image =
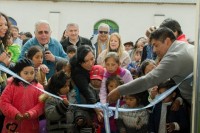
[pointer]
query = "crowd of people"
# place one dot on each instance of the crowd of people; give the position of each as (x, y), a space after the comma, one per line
(81, 72)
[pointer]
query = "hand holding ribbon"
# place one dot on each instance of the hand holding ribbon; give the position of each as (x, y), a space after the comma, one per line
(113, 96)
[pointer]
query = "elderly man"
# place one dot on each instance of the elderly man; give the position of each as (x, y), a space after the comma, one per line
(73, 38)
(176, 63)
(102, 39)
(52, 48)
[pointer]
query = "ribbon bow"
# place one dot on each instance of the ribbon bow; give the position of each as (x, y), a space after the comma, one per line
(107, 112)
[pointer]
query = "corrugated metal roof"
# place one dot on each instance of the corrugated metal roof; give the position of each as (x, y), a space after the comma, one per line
(143, 1)
(124, 1)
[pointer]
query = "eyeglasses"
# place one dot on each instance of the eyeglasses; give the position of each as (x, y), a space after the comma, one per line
(105, 32)
(41, 32)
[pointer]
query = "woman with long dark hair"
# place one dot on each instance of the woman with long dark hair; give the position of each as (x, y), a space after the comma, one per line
(4, 58)
(81, 64)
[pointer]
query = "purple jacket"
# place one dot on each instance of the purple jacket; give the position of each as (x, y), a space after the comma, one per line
(124, 74)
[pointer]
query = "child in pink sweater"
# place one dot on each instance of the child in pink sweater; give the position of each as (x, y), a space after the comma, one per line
(112, 65)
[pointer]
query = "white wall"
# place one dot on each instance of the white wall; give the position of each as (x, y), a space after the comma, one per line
(133, 18)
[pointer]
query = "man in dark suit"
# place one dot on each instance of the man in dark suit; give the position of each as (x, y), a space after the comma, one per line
(73, 38)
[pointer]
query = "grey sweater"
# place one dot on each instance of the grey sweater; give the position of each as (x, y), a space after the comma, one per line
(61, 118)
(176, 64)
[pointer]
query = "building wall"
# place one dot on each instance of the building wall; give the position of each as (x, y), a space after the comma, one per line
(133, 18)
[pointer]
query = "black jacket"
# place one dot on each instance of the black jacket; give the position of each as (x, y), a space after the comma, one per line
(81, 78)
(179, 116)
(82, 41)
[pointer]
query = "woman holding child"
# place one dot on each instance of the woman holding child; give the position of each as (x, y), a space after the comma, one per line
(81, 64)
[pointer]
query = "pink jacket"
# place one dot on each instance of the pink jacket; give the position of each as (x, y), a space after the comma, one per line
(125, 76)
(21, 99)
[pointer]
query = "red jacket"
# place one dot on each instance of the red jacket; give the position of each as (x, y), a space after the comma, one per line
(21, 99)
(182, 37)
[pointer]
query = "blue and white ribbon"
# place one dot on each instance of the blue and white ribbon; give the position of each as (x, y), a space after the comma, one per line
(107, 111)
(6, 70)
(117, 108)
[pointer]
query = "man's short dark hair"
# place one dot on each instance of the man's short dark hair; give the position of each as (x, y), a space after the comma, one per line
(172, 24)
(167, 84)
(161, 34)
(28, 34)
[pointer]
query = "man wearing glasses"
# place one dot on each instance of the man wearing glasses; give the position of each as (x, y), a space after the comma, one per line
(53, 50)
(102, 39)
(73, 38)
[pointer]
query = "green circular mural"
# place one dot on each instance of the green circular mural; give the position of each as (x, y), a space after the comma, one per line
(113, 26)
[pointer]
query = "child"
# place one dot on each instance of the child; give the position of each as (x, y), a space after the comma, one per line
(71, 51)
(163, 119)
(35, 54)
(19, 101)
(15, 31)
(129, 46)
(136, 121)
(112, 65)
(96, 77)
(139, 44)
(133, 67)
(147, 66)
(60, 116)
(111, 83)
(147, 52)
(12, 49)
(63, 65)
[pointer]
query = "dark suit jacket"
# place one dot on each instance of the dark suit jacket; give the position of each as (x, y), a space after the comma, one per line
(180, 116)
(82, 41)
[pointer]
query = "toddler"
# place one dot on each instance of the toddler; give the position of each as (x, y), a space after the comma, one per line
(111, 83)
(96, 77)
(71, 51)
(134, 66)
(12, 49)
(60, 116)
(135, 121)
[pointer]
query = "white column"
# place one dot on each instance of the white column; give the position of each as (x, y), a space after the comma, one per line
(195, 128)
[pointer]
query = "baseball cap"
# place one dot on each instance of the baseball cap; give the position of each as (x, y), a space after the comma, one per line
(97, 72)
